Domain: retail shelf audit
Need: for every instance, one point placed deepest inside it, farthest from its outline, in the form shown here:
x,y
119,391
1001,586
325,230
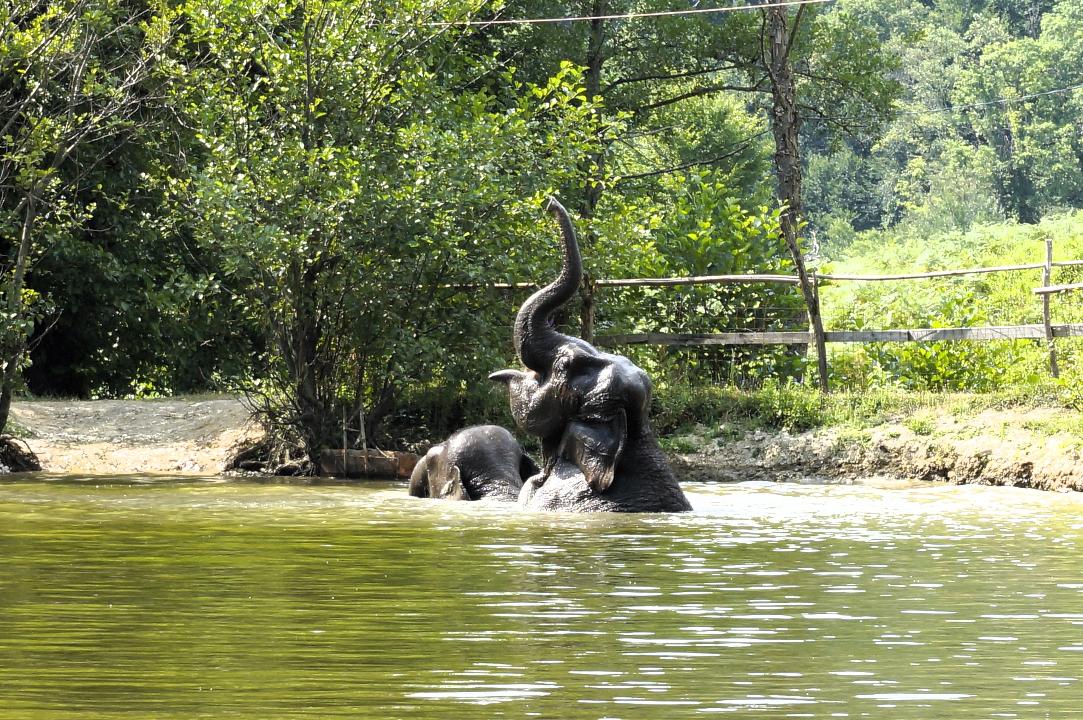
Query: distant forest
x,y
989,124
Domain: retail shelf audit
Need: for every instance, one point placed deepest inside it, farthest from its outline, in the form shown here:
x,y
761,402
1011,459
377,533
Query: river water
x,y
158,598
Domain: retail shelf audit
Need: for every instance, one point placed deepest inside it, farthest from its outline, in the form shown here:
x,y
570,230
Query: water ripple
x,y
167,598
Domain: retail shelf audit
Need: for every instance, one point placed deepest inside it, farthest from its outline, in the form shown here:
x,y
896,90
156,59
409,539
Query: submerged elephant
x,y
482,461
588,407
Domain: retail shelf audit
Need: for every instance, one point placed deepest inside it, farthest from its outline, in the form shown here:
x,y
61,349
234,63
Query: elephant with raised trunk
x,y
482,461
589,408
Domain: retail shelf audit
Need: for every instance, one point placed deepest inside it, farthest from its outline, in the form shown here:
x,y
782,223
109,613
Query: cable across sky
x,y
628,16
998,101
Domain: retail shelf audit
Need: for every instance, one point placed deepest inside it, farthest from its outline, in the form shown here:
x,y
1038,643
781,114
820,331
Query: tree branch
x,y
796,25
668,76
694,163
698,92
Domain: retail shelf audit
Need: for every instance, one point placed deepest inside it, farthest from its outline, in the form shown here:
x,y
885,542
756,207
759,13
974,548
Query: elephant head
x,y
585,405
481,461
587,410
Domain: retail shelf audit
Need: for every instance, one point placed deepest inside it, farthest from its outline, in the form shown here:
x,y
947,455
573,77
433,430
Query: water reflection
x,y
180,599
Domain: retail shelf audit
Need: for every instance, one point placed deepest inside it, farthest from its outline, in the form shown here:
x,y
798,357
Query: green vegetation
x,y
791,406
920,425
797,407
968,301
311,201
16,430
980,165
987,127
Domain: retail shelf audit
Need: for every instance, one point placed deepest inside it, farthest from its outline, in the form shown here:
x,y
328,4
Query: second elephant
x,y
481,461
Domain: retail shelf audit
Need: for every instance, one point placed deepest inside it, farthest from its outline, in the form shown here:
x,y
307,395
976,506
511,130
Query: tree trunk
x,y
298,336
381,408
593,192
13,354
786,127
5,405
315,414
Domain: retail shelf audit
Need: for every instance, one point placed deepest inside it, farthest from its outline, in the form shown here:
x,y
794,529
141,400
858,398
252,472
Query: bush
x,y
792,406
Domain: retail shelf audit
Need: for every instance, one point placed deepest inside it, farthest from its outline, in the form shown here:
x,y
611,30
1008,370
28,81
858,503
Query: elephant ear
x,y
596,446
453,489
420,478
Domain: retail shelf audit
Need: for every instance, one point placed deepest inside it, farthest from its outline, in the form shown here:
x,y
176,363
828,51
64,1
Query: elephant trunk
x,y
535,339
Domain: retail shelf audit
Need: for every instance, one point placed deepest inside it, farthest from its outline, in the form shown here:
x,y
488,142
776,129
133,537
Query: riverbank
x,y
951,438
1034,447
187,436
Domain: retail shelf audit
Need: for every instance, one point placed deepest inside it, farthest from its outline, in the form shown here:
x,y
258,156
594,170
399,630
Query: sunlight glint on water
x,y
181,599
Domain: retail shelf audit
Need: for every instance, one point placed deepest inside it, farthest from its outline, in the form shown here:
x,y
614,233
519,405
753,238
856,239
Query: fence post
x,y
1047,316
810,293
818,333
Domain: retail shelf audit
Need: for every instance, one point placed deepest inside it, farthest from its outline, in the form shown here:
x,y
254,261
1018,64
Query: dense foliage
x,y
310,201
987,129
982,162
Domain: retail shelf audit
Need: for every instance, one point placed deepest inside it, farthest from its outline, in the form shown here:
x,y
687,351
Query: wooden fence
x,y
1046,331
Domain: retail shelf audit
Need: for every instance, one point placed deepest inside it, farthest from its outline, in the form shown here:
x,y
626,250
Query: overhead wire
x,y
628,16
998,101
736,8
969,106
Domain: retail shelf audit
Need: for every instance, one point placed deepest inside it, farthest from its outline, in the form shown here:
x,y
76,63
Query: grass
x,y
679,444
797,408
787,406
1063,425
920,425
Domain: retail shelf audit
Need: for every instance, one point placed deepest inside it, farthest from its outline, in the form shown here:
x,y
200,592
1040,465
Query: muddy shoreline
x,y
1024,448
1025,459
120,437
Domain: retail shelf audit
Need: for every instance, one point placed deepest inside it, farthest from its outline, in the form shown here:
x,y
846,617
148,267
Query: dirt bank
x,y
175,436
1039,448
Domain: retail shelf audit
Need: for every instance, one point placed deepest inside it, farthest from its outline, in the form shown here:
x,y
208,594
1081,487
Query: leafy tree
x,y
987,124
73,90
649,73
842,194
707,229
362,185
1017,107
641,73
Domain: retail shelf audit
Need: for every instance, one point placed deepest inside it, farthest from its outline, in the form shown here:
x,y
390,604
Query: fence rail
x,y
667,282
1001,332
1058,288
1046,330
947,273
751,279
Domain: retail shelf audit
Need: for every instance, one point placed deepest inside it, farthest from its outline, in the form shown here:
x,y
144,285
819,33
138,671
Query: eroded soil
x,y
1036,447
105,437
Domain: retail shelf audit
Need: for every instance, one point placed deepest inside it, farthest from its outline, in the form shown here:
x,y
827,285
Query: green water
x,y
205,599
